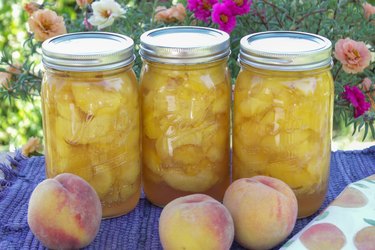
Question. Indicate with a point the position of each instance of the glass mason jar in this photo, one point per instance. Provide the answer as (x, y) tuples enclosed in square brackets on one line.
[(283, 107), (91, 115), (185, 93)]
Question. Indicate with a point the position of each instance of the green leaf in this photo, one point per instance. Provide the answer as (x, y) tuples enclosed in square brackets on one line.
[(322, 216), (366, 132), (370, 221), (362, 123), (370, 181), (371, 124), (360, 185), (354, 128)]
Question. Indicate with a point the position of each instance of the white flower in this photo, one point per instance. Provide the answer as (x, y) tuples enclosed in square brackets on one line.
[(105, 12)]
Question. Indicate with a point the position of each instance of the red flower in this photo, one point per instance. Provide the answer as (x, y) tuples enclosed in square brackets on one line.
[(358, 100)]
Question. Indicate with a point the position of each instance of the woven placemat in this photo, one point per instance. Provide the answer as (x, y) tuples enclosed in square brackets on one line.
[(138, 229)]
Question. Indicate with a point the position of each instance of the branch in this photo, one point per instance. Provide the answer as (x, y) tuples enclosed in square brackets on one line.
[(337, 73), (262, 18), (309, 14), (279, 9)]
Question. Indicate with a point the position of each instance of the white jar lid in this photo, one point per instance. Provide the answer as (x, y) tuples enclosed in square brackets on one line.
[(285, 51), (184, 45), (88, 51)]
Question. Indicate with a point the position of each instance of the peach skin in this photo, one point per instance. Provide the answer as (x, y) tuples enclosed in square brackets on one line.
[(264, 211), (64, 212), (196, 221)]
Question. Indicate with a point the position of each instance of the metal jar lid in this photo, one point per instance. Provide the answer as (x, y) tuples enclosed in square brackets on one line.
[(88, 51), (184, 45), (285, 51)]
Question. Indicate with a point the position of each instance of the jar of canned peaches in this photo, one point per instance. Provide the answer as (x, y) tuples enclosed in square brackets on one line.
[(91, 115), (283, 106), (185, 95)]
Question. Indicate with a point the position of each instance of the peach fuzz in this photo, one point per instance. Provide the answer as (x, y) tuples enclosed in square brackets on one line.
[(264, 211), (64, 212), (196, 221)]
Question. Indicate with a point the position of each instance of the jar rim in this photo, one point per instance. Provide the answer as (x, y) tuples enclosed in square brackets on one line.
[(184, 45), (285, 51), (88, 51)]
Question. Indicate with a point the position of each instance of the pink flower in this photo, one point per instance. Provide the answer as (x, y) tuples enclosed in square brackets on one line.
[(238, 7), (176, 13), (83, 3), (45, 24), (31, 7), (7, 77), (354, 56), (366, 84), (357, 99), (222, 15), (87, 24), (201, 8), (368, 10)]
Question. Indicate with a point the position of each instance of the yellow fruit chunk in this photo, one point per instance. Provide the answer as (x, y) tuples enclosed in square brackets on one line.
[(67, 158), (297, 179), (129, 90), (84, 130), (248, 169), (150, 158), (113, 196), (187, 154), (102, 180), (165, 145), (93, 99), (129, 173), (250, 132), (215, 142), (64, 101), (253, 106), (179, 180), (282, 141), (128, 190), (304, 86), (221, 103), (151, 126)]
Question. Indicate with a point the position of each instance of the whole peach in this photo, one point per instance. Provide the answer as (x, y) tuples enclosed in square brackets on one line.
[(64, 212), (196, 221), (264, 211)]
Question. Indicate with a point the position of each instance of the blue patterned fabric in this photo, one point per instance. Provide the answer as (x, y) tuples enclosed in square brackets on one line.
[(138, 229)]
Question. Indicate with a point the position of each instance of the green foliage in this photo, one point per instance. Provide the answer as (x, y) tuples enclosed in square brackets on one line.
[(19, 121), (333, 19)]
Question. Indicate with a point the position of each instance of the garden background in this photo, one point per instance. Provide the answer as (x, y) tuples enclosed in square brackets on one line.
[(20, 79)]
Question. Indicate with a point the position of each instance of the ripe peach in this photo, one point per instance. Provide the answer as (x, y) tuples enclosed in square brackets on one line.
[(264, 211), (196, 221), (64, 212)]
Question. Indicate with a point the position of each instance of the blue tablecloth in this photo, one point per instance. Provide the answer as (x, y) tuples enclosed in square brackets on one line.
[(138, 229)]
